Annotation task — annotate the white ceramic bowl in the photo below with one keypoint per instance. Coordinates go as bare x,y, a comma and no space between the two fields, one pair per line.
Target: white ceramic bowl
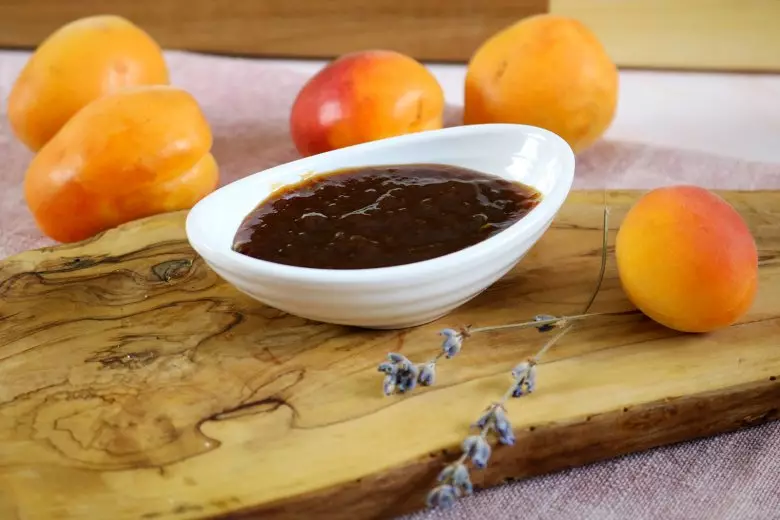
406,295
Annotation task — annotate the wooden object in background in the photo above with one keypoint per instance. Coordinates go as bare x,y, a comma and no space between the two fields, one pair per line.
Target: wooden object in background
686,34
426,29
731,35
137,384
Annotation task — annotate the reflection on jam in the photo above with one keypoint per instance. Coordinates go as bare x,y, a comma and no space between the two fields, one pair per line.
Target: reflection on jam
381,216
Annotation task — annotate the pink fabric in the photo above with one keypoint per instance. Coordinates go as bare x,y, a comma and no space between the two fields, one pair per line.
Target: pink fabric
731,476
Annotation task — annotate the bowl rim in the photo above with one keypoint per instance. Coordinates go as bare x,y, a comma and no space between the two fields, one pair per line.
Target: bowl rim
243,265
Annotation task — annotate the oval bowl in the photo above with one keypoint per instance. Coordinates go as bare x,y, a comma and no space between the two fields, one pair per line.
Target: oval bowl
406,295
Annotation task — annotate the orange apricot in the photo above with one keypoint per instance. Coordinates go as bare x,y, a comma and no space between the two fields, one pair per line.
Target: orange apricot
365,96
547,71
81,61
687,259
135,153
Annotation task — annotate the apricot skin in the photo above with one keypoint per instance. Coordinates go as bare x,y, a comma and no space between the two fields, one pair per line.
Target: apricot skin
687,259
78,63
365,96
547,71
131,154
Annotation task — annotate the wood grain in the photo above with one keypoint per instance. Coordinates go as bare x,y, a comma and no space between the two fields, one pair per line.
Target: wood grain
137,384
425,29
684,34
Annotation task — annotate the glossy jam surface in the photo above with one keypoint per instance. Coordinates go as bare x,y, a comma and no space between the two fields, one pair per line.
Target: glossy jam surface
381,216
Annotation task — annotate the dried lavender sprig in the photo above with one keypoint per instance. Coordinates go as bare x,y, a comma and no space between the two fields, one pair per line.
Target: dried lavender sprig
398,380
603,268
401,375
563,321
594,294
541,321
476,447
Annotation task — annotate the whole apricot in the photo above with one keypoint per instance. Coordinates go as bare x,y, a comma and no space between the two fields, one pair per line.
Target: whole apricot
687,259
547,71
365,96
131,154
81,61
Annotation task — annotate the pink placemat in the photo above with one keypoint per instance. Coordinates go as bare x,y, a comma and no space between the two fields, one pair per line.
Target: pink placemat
733,476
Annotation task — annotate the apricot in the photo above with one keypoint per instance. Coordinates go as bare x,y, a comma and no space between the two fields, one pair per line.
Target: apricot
546,71
81,61
687,260
365,96
131,154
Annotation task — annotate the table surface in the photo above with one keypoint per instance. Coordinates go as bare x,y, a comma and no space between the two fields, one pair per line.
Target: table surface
735,115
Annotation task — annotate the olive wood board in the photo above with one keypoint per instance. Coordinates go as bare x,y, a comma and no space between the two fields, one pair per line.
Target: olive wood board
138,384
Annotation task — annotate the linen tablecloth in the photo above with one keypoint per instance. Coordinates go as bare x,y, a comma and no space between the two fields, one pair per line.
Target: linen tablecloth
733,476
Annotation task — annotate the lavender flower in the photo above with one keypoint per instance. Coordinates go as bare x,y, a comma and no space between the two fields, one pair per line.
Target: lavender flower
477,449
442,496
427,374
520,370
388,385
547,327
485,419
457,475
494,420
524,375
453,341
400,374
407,378
530,379
446,474
503,427
461,479
397,358
387,367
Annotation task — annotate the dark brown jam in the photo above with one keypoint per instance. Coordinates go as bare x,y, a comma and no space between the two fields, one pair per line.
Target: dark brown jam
381,216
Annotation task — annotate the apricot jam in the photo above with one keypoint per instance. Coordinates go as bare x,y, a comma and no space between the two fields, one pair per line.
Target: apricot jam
381,216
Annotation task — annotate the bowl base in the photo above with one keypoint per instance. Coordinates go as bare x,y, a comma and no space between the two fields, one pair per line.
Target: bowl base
392,326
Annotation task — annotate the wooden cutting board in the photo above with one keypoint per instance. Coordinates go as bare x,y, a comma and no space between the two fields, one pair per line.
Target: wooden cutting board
137,384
